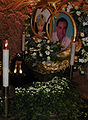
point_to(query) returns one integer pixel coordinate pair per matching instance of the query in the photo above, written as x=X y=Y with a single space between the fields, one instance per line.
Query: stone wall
x=12 y=22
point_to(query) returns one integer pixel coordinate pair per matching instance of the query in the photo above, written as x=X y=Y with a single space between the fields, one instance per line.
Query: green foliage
x=42 y=50
x=40 y=101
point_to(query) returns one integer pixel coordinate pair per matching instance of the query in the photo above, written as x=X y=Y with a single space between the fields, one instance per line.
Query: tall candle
x=72 y=54
x=23 y=41
x=5 y=67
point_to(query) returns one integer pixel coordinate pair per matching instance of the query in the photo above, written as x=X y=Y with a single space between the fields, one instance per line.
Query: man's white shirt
x=65 y=42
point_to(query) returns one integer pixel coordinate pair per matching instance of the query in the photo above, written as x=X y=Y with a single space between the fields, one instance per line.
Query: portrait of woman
x=40 y=19
x=40 y=25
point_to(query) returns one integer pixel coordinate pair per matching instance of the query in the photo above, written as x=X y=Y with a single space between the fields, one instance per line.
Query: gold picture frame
x=56 y=14
x=41 y=9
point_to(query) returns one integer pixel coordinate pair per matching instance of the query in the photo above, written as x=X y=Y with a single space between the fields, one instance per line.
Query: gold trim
x=33 y=19
x=56 y=13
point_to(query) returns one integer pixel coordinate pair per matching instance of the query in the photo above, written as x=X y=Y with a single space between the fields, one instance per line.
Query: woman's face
x=40 y=26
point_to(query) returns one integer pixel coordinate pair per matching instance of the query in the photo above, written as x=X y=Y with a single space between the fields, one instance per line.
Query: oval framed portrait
x=39 y=20
x=62 y=29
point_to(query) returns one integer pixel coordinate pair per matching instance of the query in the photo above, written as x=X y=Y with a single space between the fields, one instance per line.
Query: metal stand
x=71 y=72
x=6 y=103
x=23 y=54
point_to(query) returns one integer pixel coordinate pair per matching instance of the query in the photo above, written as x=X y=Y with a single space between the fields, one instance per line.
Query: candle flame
x=6 y=43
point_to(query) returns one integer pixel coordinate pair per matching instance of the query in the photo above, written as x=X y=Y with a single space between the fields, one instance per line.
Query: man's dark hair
x=62 y=20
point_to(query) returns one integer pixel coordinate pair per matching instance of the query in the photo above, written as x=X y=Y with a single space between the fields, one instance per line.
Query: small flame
x=6 y=43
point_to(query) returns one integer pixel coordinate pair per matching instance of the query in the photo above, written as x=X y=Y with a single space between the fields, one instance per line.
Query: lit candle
x=6 y=65
x=23 y=41
x=72 y=54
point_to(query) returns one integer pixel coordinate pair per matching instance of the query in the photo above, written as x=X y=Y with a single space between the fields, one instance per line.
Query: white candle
x=5 y=67
x=23 y=41
x=72 y=54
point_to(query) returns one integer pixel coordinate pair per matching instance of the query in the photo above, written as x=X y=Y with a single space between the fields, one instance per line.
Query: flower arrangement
x=42 y=100
x=81 y=18
x=50 y=53
x=44 y=55
x=43 y=50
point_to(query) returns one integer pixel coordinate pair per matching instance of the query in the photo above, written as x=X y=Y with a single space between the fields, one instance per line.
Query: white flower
x=31 y=88
x=63 y=8
x=48 y=58
x=39 y=40
x=78 y=13
x=34 y=54
x=31 y=49
x=81 y=34
x=47 y=90
x=48 y=41
x=81 y=60
x=84 y=23
x=43 y=62
x=39 y=45
x=48 y=47
x=76 y=7
x=82 y=72
x=44 y=86
x=68 y=10
x=47 y=52
x=69 y=7
x=83 y=51
x=51 y=50
x=84 y=39
x=85 y=60
x=28 y=35
x=40 y=54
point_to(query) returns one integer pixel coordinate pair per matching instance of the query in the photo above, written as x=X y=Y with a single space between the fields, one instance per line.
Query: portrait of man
x=60 y=34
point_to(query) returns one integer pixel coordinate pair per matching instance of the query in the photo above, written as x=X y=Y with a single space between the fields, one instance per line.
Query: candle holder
x=23 y=54
x=6 y=103
x=6 y=74
x=72 y=59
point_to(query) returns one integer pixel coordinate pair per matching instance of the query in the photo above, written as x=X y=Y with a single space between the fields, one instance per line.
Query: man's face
x=61 y=30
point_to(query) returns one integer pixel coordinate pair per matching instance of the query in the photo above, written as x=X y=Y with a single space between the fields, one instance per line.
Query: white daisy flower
x=81 y=34
x=69 y=7
x=84 y=39
x=43 y=62
x=81 y=60
x=84 y=23
x=76 y=7
x=78 y=13
x=47 y=52
x=34 y=54
x=48 y=58
x=39 y=40
x=82 y=72
x=48 y=47
x=63 y=8
x=31 y=49
x=48 y=41
x=39 y=45
x=40 y=54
